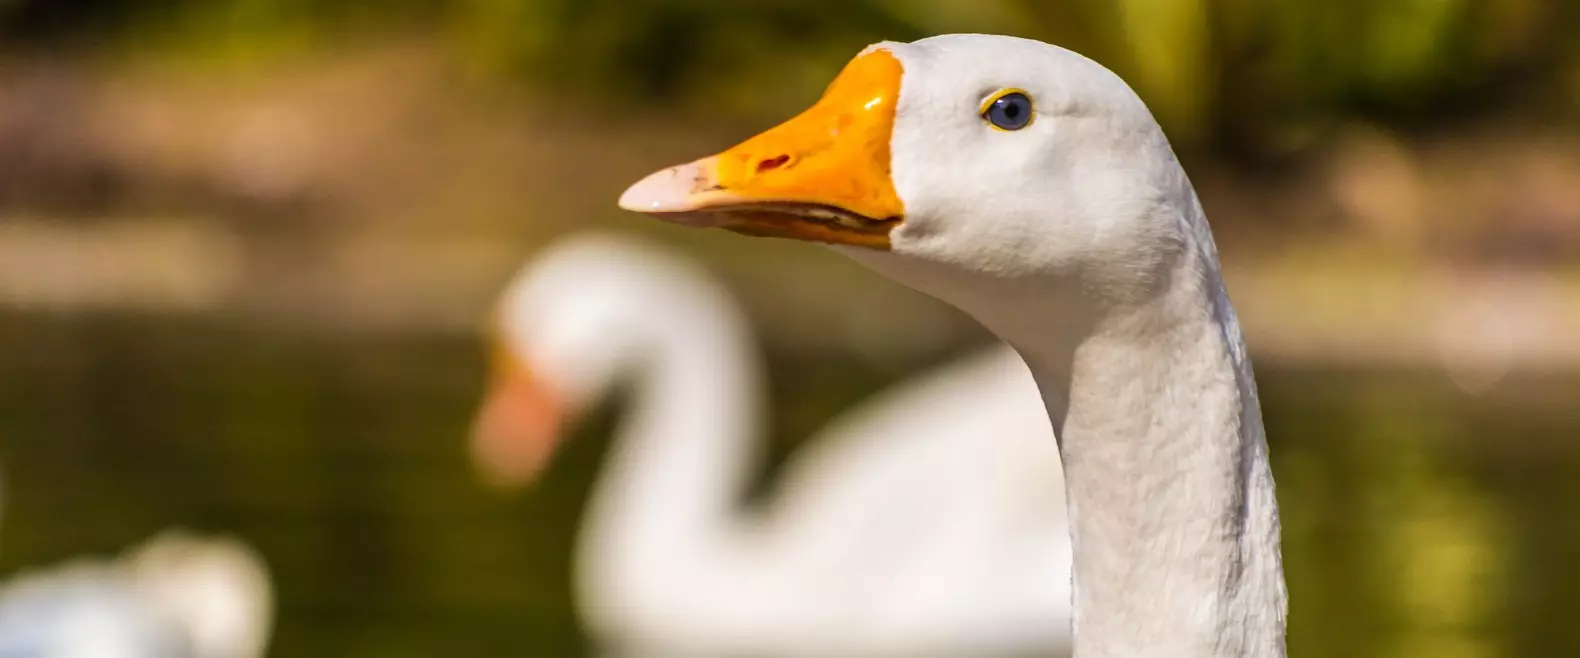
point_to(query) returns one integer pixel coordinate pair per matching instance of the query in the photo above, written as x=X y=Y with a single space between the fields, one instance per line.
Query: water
x=1419 y=521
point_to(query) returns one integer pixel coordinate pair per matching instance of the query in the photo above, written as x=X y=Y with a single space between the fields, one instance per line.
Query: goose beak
x=518 y=426
x=822 y=176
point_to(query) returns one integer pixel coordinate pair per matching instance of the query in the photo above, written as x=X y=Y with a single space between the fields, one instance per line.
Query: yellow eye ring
x=1008 y=110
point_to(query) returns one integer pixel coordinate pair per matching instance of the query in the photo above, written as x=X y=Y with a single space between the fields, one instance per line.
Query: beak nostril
x=769 y=164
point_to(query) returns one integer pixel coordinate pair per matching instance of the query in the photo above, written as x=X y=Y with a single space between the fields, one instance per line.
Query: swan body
x=927 y=522
x=1030 y=187
x=177 y=596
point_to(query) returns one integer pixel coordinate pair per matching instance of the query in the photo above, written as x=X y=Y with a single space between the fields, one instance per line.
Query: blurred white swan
x=175 y=596
x=930 y=521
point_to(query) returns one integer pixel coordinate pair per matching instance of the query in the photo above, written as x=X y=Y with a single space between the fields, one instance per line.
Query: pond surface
x=1419 y=521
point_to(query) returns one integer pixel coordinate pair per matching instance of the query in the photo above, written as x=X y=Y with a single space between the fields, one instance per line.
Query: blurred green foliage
x=1249 y=77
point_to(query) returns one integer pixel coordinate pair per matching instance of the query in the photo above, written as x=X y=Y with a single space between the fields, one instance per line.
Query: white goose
x=894 y=533
x=1031 y=188
x=175 y=596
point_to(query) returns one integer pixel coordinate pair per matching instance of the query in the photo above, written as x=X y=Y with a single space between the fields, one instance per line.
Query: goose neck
x=686 y=442
x=1174 y=525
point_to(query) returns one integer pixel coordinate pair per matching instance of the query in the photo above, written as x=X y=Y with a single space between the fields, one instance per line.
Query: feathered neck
x=1174 y=522
x=1174 y=525
x=685 y=447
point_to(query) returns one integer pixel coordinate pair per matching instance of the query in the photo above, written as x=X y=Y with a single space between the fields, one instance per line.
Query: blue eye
x=1012 y=111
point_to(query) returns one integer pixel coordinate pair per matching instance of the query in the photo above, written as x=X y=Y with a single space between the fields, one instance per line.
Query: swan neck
x=1174 y=525
x=686 y=443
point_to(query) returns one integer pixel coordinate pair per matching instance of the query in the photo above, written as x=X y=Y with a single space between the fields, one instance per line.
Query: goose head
x=565 y=330
x=980 y=169
x=1031 y=188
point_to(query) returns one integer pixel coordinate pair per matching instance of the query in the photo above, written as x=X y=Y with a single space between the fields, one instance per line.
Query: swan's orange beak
x=821 y=176
x=519 y=424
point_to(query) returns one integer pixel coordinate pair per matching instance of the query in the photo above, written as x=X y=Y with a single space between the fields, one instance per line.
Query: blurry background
x=247 y=247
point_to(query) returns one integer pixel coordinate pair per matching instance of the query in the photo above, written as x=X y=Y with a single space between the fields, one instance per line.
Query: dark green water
x=1419 y=521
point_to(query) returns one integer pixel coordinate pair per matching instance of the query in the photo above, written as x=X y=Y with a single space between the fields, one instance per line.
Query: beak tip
x=504 y=466
x=673 y=194
x=515 y=433
x=657 y=192
x=639 y=197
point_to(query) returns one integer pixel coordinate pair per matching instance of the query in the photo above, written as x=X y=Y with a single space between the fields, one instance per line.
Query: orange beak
x=821 y=176
x=518 y=426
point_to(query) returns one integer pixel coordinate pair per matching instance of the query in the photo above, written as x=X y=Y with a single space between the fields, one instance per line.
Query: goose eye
x=1010 y=111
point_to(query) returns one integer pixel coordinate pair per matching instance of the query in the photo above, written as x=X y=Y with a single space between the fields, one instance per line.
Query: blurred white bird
x=175 y=596
x=930 y=521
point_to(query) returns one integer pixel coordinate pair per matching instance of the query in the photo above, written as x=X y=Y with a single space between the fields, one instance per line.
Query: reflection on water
x=1419 y=521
